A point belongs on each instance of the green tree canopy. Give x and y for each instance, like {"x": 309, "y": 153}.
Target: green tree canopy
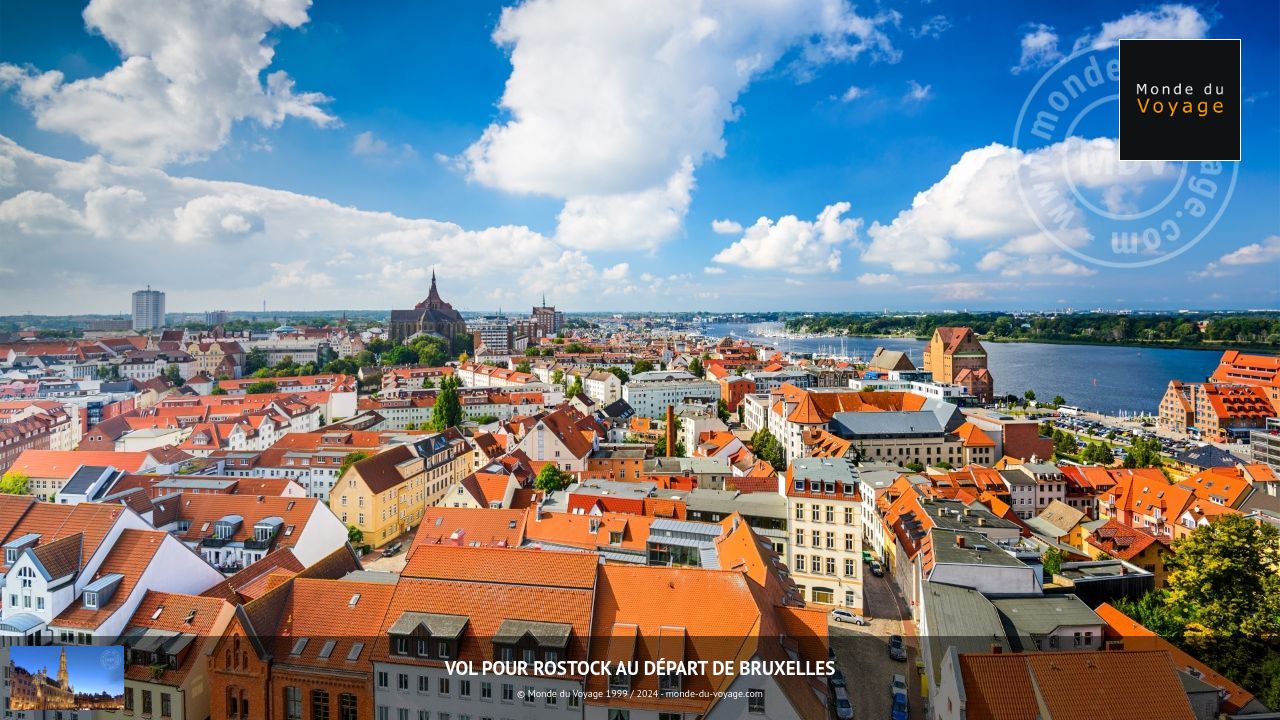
{"x": 621, "y": 374}
{"x": 695, "y": 367}
{"x": 260, "y": 387}
{"x": 15, "y": 483}
{"x": 447, "y": 411}
{"x": 551, "y": 478}
{"x": 641, "y": 366}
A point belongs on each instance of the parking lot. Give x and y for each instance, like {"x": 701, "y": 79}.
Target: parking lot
{"x": 862, "y": 653}
{"x": 375, "y": 560}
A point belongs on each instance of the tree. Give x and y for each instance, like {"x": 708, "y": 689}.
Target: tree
{"x": 351, "y": 459}
{"x": 171, "y": 372}
{"x": 355, "y": 535}
{"x": 1222, "y": 578}
{"x": 641, "y": 366}
{"x": 255, "y": 360}
{"x": 767, "y": 448}
{"x": 575, "y": 388}
{"x": 261, "y": 387}
{"x": 557, "y": 376}
{"x": 485, "y": 419}
{"x": 1052, "y": 560}
{"x": 1030, "y": 395}
{"x": 722, "y": 410}
{"x": 551, "y": 478}
{"x": 1059, "y": 401}
{"x": 15, "y": 483}
{"x": 447, "y": 412}
{"x": 695, "y": 367}
{"x": 400, "y": 355}
{"x": 523, "y": 366}
{"x": 1064, "y": 443}
{"x": 1144, "y": 452}
{"x": 218, "y": 390}
{"x": 619, "y": 373}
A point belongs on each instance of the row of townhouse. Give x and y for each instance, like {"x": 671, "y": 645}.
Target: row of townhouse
{"x": 356, "y": 648}
{"x": 386, "y": 495}
{"x": 35, "y": 425}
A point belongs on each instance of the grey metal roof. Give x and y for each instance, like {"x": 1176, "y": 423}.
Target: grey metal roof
{"x": 960, "y": 617}
{"x": 547, "y": 634}
{"x": 761, "y": 504}
{"x": 106, "y": 581}
{"x": 192, "y": 482}
{"x": 666, "y": 527}
{"x": 22, "y": 622}
{"x": 978, "y": 550}
{"x": 834, "y": 470}
{"x": 85, "y": 476}
{"x": 437, "y": 625}
{"x": 1044, "y": 614}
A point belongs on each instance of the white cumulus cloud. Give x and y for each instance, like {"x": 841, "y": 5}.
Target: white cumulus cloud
{"x": 190, "y": 70}
{"x": 612, "y": 106}
{"x": 795, "y": 245}
{"x": 1039, "y": 49}
{"x": 1170, "y": 21}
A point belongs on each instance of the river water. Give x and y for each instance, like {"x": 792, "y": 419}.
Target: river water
{"x": 1100, "y": 378}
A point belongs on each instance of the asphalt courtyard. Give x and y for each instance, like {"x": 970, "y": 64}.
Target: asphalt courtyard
{"x": 862, "y": 653}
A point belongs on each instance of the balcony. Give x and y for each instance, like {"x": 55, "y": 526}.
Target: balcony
{"x": 258, "y": 544}
{"x": 215, "y": 542}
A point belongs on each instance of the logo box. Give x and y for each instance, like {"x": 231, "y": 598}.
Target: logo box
{"x": 1180, "y": 100}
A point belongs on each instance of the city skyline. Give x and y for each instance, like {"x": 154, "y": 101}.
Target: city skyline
{"x": 90, "y": 669}
{"x": 836, "y": 154}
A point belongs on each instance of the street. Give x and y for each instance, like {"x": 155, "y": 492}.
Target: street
{"x": 862, "y": 653}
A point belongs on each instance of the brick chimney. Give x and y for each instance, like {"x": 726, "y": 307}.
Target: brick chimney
{"x": 960, "y": 541}
{"x": 671, "y": 431}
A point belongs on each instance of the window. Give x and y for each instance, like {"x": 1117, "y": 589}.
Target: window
{"x": 508, "y": 692}
{"x": 443, "y": 686}
{"x": 831, "y": 566}
{"x": 384, "y": 713}
{"x": 815, "y": 513}
{"x": 422, "y": 648}
{"x": 848, "y": 542}
{"x": 486, "y": 691}
{"x": 817, "y": 538}
{"x": 464, "y": 688}
{"x": 402, "y": 714}
{"x": 619, "y": 682}
{"x": 383, "y": 679}
{"x": 528, "y": 695}
{"x": 347, "y": 707}
{"x": 848, "y": 567}
{"x": 800, "y": 538}
{"x": 800, "y": 563}
{"x": 292, "y": 703}
{"x": 319, "y": 705}
{"x": 146, "y": 702}
{"x": 799, "y": 508}
{"x": 619, "y": 714}
{"x": 128, "y": 699}
{"x": 755, "y": 701}
{"x": 402, "y": 646}
{"x": 424, "y": 684}
{"x": 573, "y": 701}
{"x": 831, "y": 541}
{"x": 402, "y": 681}
{"x": 831, "y": 513}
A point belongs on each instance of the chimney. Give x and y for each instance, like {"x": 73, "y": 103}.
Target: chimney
{"x": 996, "y": 648}
{"x": 671, "y": 431}
{"x": 959, "y": 541}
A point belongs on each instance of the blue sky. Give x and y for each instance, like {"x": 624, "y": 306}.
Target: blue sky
{"x": 90, "y": 669}
{"x": 584, "y": 150}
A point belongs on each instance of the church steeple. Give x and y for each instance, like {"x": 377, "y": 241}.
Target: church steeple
{"x": 433, "y": 297}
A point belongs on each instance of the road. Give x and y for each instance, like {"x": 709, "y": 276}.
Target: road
{"x": 862, "y": 653}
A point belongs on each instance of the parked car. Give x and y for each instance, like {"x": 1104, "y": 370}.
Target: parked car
{"x": 837, "y": 680}
{"x": 877, "y": 569}
{"x": 899, "y": 709}
{"x": 897, "y": 650}
{"x": 898, "y": 685}
{"x": 839, "y": 615}
{"x": 392, "y": 549}
{"x": 844, "y": 709}
{"x": 866, "y": 556}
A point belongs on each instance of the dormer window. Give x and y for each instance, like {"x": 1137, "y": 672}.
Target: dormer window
{"x": 91, "y": 600}
{"x": 669, "y": 684}
{"x": 402, "y": 646}
{"x": 619, "y": 681}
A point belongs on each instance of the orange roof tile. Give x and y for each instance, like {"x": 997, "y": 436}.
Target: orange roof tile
{"x": 517, "y": 566}
{"x": 129, "y": 556}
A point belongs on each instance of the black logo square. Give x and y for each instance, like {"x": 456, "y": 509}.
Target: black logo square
{"x": 1180, "y": 99}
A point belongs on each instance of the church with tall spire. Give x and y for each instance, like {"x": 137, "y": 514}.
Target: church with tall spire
{"x": 432, "y": 316}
